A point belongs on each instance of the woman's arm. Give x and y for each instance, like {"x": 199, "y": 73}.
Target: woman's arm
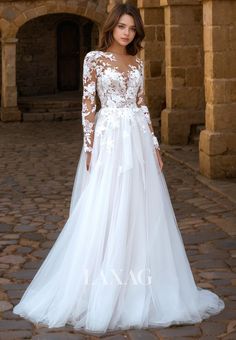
{"x": 144, "y": 108}
{"x": 89, "y": 100}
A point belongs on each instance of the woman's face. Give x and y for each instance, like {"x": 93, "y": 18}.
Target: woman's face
{"x": 125, "y": 30}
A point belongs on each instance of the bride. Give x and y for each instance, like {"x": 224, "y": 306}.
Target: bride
{"x": 119, "y": 262}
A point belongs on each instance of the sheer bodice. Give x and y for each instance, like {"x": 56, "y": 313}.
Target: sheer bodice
{"x": 118, "y": 86}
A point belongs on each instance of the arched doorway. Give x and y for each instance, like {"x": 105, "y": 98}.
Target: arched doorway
{"x": 68, "y": 56}
{"x": 50, "y": 53}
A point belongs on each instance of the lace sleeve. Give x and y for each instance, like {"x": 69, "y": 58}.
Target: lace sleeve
{"x": 144, "y": 108}
{"x": 89, "y": 100}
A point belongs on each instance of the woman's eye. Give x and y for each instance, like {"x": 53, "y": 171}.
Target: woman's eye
{"x": 123, "y": 27}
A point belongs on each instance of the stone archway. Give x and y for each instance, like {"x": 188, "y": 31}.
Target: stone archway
{"x": 13, "y": 18}
{"x": 52, "y": 48}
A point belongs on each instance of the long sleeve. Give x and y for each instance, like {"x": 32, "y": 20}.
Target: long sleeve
{"x": 89, "y": 100}
{"x": 144, "y": 108}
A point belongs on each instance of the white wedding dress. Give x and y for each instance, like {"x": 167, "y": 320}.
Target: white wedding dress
{"x": 119, "y": 262}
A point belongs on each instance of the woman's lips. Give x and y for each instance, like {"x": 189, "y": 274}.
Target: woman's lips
{"x": 125, "y": 39}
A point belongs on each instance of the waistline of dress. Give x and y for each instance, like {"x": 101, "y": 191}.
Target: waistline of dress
{"x": 120, "y": 111}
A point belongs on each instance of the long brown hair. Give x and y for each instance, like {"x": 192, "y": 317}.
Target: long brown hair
{"x": 112, "y": 20}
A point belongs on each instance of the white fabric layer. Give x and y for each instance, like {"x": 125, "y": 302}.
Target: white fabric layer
{"x": 119, "y": 262}
{"x": 121, "y": 222}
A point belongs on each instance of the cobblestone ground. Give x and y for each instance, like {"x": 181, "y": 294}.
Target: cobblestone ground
{"x": 38, "y": 164}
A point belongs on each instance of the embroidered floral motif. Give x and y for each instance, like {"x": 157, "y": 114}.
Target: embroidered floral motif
{"x": 121, "y": 94}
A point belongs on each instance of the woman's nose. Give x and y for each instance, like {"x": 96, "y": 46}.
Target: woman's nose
{"x": 127, "y": 31}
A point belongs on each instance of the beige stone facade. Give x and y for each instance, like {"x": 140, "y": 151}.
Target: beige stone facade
{"x": 189, "y": 54}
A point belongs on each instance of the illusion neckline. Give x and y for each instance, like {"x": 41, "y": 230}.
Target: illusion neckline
{"x": 129, "y": 64}
{"x": 116, "y": 53}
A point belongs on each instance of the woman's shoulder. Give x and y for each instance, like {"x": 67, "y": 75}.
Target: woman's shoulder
{"x": 93, "y": 55}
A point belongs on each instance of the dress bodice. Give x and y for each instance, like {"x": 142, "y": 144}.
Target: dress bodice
{"x": 118, "y": 85}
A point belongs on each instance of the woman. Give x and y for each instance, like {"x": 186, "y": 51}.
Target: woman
{"x": 119, "y": 261}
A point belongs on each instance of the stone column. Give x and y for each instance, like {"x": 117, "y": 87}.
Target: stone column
{"x": 9, "y": 108}
{"x": 153, "y": 56}
{"x": 184, "y": 70}
{"x": 218, "y": 140}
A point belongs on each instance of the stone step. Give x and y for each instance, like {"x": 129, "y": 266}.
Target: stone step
{"x": 50, "y": 116}
{"x": 41, "y": 106}
{"x": 59, "y": 103}
{"x": 50, "y": 110}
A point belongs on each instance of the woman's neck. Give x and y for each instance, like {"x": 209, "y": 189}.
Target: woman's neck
{"x": 117, "y": 49}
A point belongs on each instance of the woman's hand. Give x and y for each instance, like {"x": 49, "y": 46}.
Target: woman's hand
{"x": 159, "y": 158}
{"x": 88, "y": 160}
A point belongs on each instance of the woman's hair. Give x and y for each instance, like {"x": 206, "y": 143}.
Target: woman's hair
{"x": 112, "y": 20}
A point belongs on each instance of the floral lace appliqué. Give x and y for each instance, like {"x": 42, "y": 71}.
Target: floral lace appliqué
{"x": 121, "y": 93}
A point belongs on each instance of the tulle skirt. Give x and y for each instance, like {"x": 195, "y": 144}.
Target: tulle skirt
{"x": 119, "y": 261}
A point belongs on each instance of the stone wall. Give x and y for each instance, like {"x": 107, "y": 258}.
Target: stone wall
{"x": 154, "y": 55}
{"x": 184, "y": 70}
{"x": 218, "y": 142}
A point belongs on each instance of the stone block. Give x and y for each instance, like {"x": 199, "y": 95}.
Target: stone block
{"x": 232, "y": 37}
{"x": 41, "y": 10}
{"x": 175, "y": 72}
{"x": 155, "y": 87}
{"x": 17, "y": 334}
{"x": 152, "y": 16}
{"x": 190, "y": 35}
{"x": 80, "y": 10}
{"x": 216, "y": 38}
{"x": 160, "y": 33}
{"x": 178, "y": 2}
{"x": 215, "y": 91}
{"x": 214, "y": 167}
{"x": 229, "y": 65}
{"x": 150, "y": 33}
{"x": 174, "y": 79}
{"x": 230, "y": 90}
{"x": 140, "y": 334}
{"x": 15, "y": 325}
{"x": 10, "y": 114}
{"x": 183, "y": 15}
{"x": 4, "y": 25}
{"x": 175, "y": 125}
{"x": 220, "y": 64}
{"x": 223, "y": 12}
{"x": 212, "y": 143}
{"x": 20, "y": 20}
{"x": 179, "y": 56}
{"x": 9, "y": 13}
{"x": 217, "y": 154}
{"x": 148, "y": 3}
{"x": 221, "y": 117}
{"x": 155, "y": 68}
{"x": 194, "y": 76}
{"x": 186, "y": 98}
{"x": 30, "y": 14}
{"x": 154, "y": 51}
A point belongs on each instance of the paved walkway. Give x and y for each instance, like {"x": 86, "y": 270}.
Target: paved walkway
{"x": 37, "y": 168}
